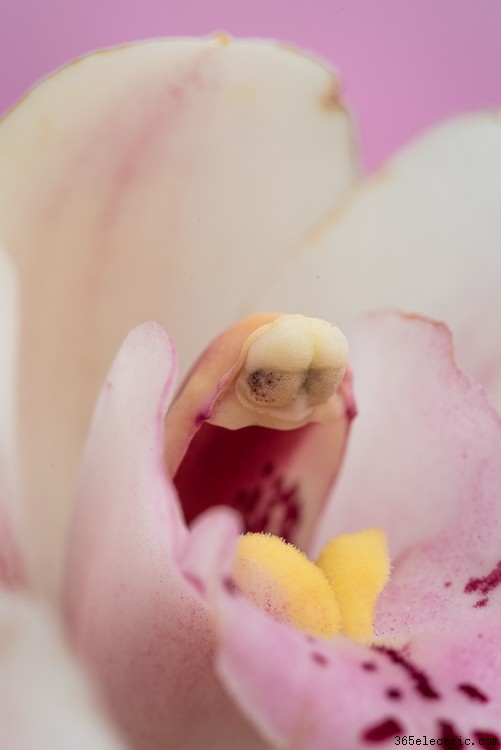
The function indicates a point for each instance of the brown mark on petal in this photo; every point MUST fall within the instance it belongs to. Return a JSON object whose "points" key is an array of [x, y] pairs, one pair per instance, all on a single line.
{"points": [[222, 38], [331, 99]]}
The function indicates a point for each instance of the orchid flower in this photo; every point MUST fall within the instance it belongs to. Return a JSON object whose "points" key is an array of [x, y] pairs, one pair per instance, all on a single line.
{"points": [[196, 184]]}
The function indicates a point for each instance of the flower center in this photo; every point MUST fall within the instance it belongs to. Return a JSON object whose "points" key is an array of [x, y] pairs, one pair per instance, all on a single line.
{"points": [[260, 425], [261, 422], [335, 595]]}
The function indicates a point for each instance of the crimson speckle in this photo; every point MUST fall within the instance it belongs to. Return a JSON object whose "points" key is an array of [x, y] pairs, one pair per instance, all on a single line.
{"points": [[369, 666], [319, 659], [481, 603], [383, 731], [447, 584], [394, 693], [230, 585], [484, 585], [481, 735], [202, 417], [473, 692], [421, 682], [447, 731]]}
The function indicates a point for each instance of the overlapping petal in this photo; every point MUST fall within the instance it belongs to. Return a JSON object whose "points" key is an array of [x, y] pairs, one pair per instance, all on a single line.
{"points": [[424, 466], [140, 625], [421, 235], [137, 183]]}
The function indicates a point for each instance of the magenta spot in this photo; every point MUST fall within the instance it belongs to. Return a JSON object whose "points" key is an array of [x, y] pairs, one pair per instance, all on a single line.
{"points": [[447, 584], [268, 469], [351, 410], [383, 731], [177, 94], [369, 666], [394, 694], [202, 417], [196, 582], [482, 734], [473, 692], [421, 682], [230, 586], [481, 603], [246, 503], [319, 659], [484, 585], [447, 731]]}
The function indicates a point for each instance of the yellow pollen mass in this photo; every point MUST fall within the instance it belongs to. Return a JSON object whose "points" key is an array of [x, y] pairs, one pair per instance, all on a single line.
{"points": [[357, 567], [280, 579], [337, 595]]}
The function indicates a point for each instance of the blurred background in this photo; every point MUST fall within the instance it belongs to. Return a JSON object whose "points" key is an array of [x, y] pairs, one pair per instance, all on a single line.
{"points": [[405, 63]]}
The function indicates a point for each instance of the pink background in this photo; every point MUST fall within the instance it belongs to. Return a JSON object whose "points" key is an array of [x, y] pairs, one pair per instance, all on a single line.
{"points": [[405, 63]]}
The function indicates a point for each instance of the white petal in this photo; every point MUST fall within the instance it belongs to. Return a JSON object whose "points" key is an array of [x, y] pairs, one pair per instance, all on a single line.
{"points": [[11, 568], [423, 234], [45, 702], [8, 352], [158, 181]]}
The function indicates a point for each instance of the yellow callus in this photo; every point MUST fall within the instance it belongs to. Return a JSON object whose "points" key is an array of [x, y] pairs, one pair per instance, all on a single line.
{"points": [[280, 579], [337, 595], [357, 567]]}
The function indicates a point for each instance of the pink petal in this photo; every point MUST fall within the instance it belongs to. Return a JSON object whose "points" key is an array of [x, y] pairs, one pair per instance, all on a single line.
{"points": [[422, 235], [136, 183], [143, 629], [423, 464], [11, 566], [45, 701]]}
